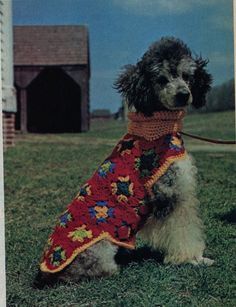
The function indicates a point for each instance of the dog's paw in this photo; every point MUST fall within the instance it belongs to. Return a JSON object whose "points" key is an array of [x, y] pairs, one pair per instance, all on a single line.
{"points": [[195, 261], [202, 260]]}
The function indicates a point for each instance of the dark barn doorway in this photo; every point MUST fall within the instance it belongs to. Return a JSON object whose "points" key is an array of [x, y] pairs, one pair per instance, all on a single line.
{"points": [[53, 103]]}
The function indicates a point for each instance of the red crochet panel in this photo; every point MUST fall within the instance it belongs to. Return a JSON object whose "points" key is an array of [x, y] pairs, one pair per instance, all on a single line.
{"points": [[112, 204]]}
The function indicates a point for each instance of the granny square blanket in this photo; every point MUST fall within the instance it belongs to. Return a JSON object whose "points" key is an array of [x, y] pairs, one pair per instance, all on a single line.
{"points": [[112, 204]]}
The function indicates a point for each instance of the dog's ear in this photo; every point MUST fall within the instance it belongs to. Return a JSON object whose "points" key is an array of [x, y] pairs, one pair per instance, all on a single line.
{"points": [[134, 83], [201, 84]]}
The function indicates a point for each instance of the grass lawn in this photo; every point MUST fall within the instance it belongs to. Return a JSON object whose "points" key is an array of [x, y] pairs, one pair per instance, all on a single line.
{"points": [[44, 172]]}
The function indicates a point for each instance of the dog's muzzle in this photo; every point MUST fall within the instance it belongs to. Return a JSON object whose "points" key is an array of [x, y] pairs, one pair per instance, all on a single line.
{"points": [[182, 98]]}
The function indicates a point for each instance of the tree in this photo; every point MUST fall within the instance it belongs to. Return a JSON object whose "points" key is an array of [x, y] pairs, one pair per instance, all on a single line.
{"points": [[221, 97]]}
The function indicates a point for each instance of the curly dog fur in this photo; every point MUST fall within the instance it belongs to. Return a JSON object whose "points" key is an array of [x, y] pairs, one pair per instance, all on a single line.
{"points": [[169, 78]]}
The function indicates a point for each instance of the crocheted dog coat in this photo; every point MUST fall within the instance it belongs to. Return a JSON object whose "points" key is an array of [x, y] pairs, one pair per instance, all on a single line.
{"points": [[112, 204]]}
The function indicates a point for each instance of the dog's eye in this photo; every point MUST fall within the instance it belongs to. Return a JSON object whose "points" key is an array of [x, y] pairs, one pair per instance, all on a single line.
{"points": [[162, 80]]}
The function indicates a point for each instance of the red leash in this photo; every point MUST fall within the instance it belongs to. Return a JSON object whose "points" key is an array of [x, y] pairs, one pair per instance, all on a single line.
{"points": [[208, 140]]}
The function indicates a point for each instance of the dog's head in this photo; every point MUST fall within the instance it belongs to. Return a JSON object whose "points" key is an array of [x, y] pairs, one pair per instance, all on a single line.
{"points": [[166, 78]]}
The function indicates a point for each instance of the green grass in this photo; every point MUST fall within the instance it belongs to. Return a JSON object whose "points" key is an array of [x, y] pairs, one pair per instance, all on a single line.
{"points": [[214, 125], [44, 172]]}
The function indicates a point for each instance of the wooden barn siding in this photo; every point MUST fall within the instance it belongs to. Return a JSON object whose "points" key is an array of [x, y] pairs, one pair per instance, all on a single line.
{"points": [[81, 77]]}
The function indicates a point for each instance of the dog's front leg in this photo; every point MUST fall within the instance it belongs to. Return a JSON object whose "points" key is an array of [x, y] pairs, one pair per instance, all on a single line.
{"points": [[175, 226], [183, 237]]}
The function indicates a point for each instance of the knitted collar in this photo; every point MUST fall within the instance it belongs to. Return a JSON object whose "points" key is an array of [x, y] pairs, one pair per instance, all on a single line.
{"points": [[155, 126]]}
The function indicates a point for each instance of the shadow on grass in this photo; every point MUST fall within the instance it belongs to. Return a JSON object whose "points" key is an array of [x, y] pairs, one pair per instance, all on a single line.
{"points": [[125, 257], [229, 217]]}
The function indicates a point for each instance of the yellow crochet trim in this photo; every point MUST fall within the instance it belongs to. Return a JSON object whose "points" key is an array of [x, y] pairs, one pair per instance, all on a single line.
{"points": [[161, 171], [153, 127], [104, 235]]}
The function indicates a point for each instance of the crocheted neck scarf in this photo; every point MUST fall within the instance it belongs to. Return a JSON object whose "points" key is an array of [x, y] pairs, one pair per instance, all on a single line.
{"points": [[152, 128]]}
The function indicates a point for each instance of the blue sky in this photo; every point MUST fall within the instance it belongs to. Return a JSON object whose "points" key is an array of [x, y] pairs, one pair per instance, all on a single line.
{"points": [[121, 30]]}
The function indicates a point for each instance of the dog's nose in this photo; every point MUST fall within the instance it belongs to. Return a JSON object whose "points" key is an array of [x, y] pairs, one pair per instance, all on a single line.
{"points": [[182, 98]]}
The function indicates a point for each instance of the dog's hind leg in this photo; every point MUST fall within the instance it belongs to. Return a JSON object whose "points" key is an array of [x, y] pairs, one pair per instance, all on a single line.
{"points": [[96, 261]]}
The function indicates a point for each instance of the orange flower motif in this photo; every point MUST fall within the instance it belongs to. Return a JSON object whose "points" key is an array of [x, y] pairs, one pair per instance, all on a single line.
{"points": [[101, 212], [176, 141]]}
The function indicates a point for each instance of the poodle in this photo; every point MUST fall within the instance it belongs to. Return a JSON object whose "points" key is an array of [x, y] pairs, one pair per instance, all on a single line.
{"points": [[147, 186]]}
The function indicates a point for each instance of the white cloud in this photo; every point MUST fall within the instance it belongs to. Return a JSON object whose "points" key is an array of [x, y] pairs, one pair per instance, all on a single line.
{"points": [[157, 7], [220, 17]]}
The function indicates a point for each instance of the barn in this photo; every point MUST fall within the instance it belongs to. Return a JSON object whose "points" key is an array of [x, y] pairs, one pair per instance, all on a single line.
{"points": [[51, 77]]}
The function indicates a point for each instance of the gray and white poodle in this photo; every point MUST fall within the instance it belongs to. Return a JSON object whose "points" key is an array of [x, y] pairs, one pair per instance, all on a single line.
{"points": [[166, 80]]}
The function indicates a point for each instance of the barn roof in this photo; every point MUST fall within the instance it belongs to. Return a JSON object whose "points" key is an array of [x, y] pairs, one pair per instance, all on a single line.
{"points": [[51, 45]]}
